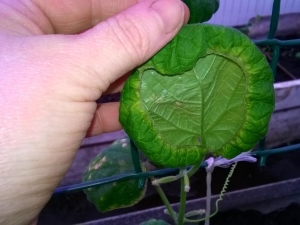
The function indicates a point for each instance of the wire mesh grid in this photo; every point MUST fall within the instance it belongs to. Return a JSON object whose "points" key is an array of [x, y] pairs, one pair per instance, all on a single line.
{"points": [[262, 153]]}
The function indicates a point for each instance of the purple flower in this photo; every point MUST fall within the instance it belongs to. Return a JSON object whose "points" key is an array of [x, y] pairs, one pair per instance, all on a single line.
{"points": [[224, 163]]}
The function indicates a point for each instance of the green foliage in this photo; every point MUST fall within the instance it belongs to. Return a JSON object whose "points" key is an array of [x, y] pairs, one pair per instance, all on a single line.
{"points": [[209, 90], [114, 160], [154, 222], [201, 10]]}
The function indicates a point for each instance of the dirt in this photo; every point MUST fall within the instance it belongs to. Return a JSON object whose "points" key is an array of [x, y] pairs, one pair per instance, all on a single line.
{"points": [[286, 216], [288, 67]]}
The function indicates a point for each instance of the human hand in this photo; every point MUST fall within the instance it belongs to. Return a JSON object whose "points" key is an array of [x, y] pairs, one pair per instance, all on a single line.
{"points": [[49, 84]]}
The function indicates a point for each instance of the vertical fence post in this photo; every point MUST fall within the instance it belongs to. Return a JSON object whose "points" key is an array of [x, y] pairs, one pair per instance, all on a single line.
{"points": [[136, 163], [275, 58]]}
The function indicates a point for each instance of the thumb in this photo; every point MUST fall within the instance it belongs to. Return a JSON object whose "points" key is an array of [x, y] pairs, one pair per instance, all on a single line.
{"points": [[122, 42]]}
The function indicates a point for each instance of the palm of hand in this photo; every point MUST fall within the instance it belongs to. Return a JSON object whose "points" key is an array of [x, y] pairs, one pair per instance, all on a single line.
{"points": [[49, 85]]}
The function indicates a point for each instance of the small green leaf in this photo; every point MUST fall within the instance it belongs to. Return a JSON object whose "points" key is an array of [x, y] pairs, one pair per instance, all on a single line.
{"points": [[114, 160], [201, 10], [154, 222], [209, 90]]}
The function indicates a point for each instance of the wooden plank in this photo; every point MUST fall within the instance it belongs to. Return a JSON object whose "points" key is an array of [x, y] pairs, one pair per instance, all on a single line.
{"points": [[260, 26], [284, 126], [238, 12], [287, 95]]}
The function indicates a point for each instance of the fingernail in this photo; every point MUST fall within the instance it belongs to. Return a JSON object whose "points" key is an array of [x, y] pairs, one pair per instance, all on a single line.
{"points": [[171, 12]]}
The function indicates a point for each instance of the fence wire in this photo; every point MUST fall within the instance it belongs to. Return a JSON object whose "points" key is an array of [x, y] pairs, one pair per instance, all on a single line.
{"points": [[262, 152]]}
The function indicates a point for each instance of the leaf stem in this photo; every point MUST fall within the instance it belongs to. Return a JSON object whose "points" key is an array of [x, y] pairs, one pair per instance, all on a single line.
{"points": [[165, 201], [183, 184], [194, 168]]}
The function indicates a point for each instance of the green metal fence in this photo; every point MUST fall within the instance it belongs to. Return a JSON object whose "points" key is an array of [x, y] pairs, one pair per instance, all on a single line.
{"points": [[262, 153]]}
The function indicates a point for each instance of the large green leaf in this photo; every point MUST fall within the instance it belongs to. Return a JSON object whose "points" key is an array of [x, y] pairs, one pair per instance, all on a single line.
{"points": [[114, 160], [209, 90], [201, 10]]}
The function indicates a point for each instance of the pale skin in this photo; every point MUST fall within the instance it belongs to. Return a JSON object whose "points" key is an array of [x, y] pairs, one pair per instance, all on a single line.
{"points": [[57, 57]]}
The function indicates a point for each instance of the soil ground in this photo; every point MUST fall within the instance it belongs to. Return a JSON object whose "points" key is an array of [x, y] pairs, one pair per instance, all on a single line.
{"points": [[287, 216], [289, 60]]}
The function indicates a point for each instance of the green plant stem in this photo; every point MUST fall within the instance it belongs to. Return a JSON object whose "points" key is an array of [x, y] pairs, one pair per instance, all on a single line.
{"points": [[182, 198], [165, 201], [194, 169]]}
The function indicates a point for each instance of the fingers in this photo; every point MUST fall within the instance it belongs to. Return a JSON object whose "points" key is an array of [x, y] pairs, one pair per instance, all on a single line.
{"points": [[123, 42], [106, 119], [70, 17], [88, 63]]}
